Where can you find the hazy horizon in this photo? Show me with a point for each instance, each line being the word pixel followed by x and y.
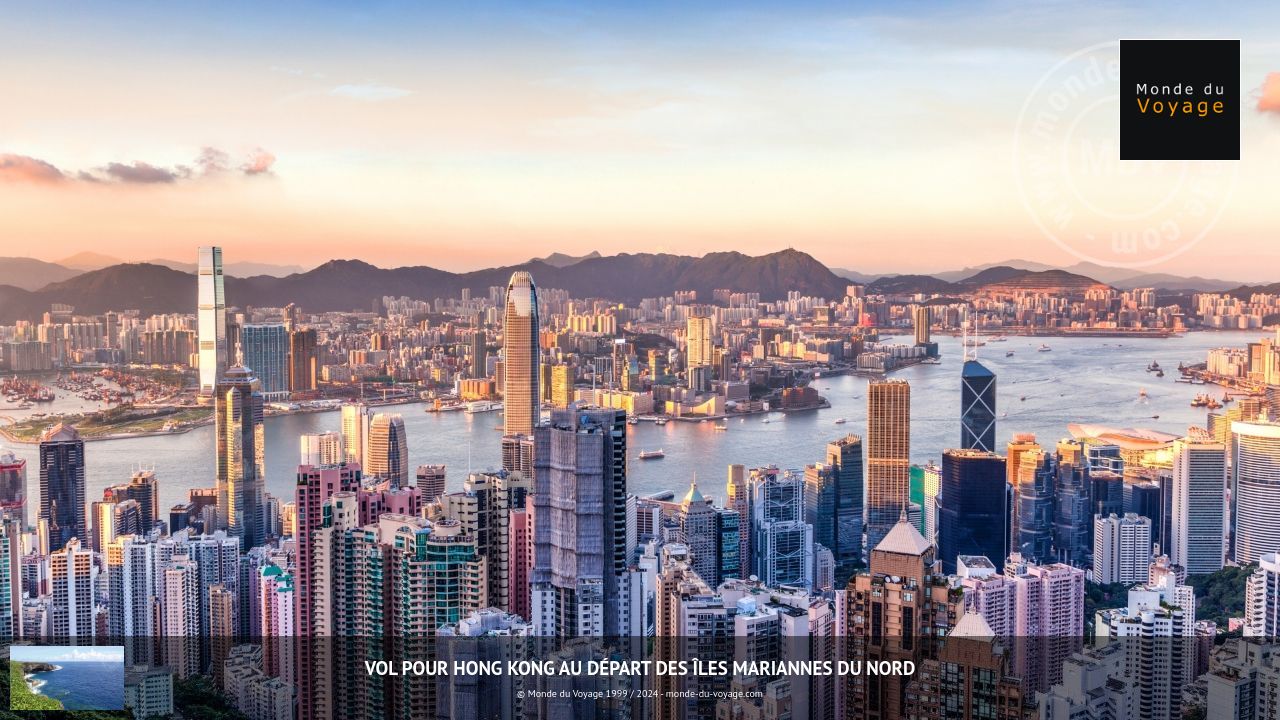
pixel 464 138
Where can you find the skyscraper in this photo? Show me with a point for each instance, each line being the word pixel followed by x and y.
pixel 211 319
pixel 521 357
pixel 783 540
pixel 355 431
pixel 13 486
pixel 1033 508
pixel 1256 489
pixel 888 456
pixel 579 522
pixel 240 445
pixel 387 455
pixel 844 457
pixel 131 583
pixel 738 499
pixel 977 407
pixel 483 508
pixel 303 361
pixel 1262 599
pixel 1198 520
pixel 321 449
pixel 700 341
pixel 973 508
pixel 479 353
pixel 62 485
pixel 265 350
pixel 1121 548
pixel 72 575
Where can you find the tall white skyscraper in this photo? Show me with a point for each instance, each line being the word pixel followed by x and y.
pixel 355 431
pixel 1256 489
pixel 1198 517
pixel 321 449
pixel 521 357
pixel 212 319
pixel 1262 599
pixel 1121 548
pixel 73 575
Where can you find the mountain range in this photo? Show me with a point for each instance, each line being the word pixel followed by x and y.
pixel 28 287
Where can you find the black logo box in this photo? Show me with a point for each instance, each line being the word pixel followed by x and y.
pixel 1189 65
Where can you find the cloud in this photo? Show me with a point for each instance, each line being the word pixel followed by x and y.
pixel 370 92
pixel 210 162
pixel 1269 97
pixel 259 163
pixel 23 169
pixel 144 173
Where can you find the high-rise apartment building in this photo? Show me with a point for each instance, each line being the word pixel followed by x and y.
pixel 888 453
pixel 700 341
pixel 179 586
pixel 521 357
pixel 1121 548
pixel 1262 599
pixel 483 509
pixel 977 407
pixel 13 485
pixel 132 597
pixel 1255 486
pixel 73 575
pixel 211 317
pixel 579 523
pixel 387 454
pixel 62 485
pixel 240 446
pixel 430 481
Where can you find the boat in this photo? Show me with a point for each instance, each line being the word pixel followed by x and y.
pixel 841 421
pixel 1043 348
pixel 1159 373
pixel 652 454
pixel 483 406
pixel 1009 354
pixel 1153 367
pixel 1023 398
pixel 1226 398
pixel 1155 417
pixel 1200 400
pixel 765 421
pixel 633 420
pixel 1185 380
pixel 1142 393
pixel 722 426
pixel 660 421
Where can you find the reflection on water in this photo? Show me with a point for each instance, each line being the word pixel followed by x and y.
pixel 1092 380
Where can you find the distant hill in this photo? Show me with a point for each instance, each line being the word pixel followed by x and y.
pixel 910 285
pixel 86 261
pixel 31 274
pixel 235 269
pixel 1058 282
pixel 991 275
pixel 352 284
pixel 561 260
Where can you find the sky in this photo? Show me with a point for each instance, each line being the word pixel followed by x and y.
pixel 876 137
pixel 56 654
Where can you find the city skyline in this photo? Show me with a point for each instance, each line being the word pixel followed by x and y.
pixel 562 129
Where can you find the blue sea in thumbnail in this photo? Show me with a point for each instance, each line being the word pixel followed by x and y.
pixel 84 685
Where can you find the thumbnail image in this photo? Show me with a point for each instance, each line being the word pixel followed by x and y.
pixel 66 678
